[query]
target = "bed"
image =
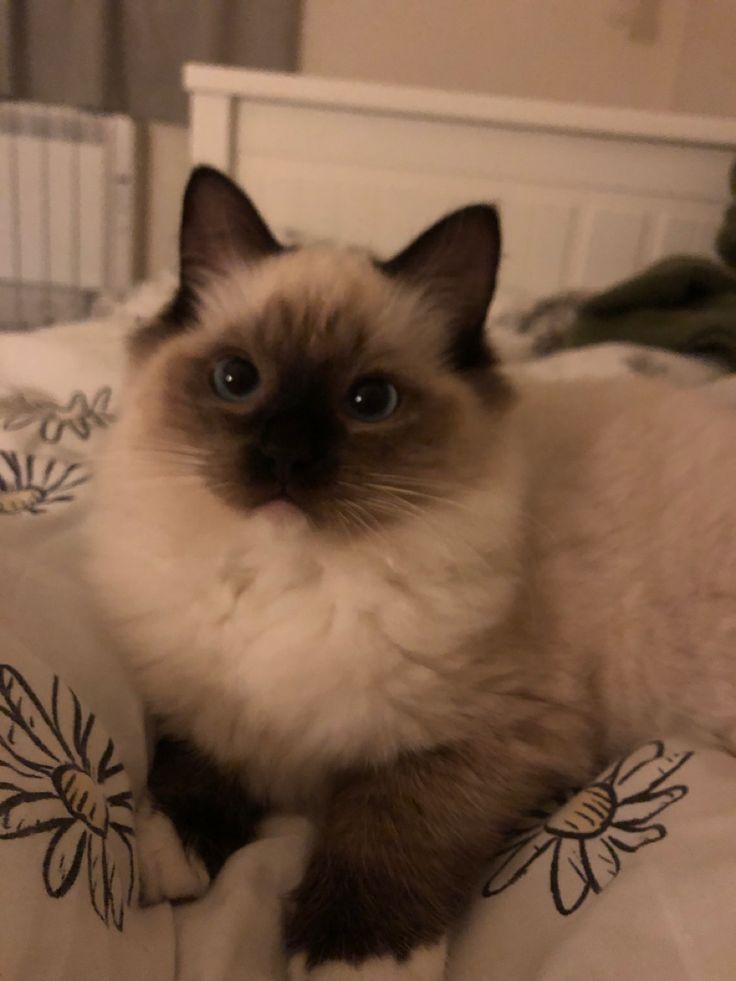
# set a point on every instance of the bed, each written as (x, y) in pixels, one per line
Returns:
(587, 196)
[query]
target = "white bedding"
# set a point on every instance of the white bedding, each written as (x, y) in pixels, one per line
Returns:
(636, 878)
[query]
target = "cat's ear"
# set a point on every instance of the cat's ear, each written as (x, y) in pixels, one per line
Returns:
(455, 264)
(220, 227)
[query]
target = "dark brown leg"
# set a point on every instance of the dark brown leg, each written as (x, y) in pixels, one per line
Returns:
(211, 811)
(400, 847)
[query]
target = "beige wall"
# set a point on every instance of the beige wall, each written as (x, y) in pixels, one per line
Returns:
(647, 54)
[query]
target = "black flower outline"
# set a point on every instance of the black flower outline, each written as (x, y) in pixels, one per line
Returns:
(28, 484)
(59, 776)
(587, 835)
(79, 415)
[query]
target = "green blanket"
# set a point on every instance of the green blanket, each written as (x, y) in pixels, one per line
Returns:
(684, 303)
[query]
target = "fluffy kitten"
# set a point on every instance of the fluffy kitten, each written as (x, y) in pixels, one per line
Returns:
(378, 580)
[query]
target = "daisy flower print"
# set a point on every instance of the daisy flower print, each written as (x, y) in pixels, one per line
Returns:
(585, 843)
(60, 780)
(31, 485)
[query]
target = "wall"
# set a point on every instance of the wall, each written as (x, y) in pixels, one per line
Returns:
(645, 54)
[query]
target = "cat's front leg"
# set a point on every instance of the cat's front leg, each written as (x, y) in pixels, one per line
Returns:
(396, 857)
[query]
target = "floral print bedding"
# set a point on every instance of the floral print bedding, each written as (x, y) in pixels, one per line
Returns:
(632, 876)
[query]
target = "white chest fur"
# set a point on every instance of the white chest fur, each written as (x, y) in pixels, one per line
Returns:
(289, 657)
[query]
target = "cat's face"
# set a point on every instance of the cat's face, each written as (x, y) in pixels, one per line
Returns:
(318, 384)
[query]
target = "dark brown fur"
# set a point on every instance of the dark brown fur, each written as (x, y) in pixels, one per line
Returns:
(307, 391)
(400, 846)
(212, 813)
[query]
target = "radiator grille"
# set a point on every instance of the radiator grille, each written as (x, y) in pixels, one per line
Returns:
(66, 211)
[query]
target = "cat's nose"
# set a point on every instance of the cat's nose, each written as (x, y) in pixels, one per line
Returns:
(285, 463)
(287, 449)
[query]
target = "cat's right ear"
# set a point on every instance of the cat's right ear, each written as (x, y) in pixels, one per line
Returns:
(220, 229)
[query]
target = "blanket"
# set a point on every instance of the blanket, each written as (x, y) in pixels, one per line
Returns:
(685, 304)
(645, 850)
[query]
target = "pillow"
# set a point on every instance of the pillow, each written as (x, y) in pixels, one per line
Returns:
(59, 392)
(634, 878)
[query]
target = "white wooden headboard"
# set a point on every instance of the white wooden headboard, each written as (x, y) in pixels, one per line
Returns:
(587, 195)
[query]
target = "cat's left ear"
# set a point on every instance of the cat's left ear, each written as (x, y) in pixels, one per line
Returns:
(455, 264)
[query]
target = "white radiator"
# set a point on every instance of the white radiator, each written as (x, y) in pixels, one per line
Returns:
(66, 211)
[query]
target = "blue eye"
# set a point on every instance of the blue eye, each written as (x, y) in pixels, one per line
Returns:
(235, 379)
(372, 399)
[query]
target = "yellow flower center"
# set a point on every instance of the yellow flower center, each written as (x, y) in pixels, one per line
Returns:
(83, 797)
(586, 815)
(19, 500)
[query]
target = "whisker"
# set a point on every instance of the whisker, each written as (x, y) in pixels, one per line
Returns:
(408, 495)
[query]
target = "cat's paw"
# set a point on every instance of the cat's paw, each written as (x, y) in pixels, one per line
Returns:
(425, 964)
(166, 869)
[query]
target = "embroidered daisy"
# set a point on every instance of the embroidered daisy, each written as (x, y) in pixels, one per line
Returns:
(59, 777)
(585, 839)
(29, 484)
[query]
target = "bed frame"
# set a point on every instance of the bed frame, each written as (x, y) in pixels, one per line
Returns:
(587, 195)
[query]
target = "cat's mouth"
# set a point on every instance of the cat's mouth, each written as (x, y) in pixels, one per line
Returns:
(281, 508)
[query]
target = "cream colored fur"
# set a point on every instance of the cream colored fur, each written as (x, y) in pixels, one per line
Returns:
(594, 568)
(572, 594)
(167, 869)
(287, 654)
(272, 646)
(632, 561)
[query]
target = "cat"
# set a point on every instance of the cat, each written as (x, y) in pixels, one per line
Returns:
(378, 579)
